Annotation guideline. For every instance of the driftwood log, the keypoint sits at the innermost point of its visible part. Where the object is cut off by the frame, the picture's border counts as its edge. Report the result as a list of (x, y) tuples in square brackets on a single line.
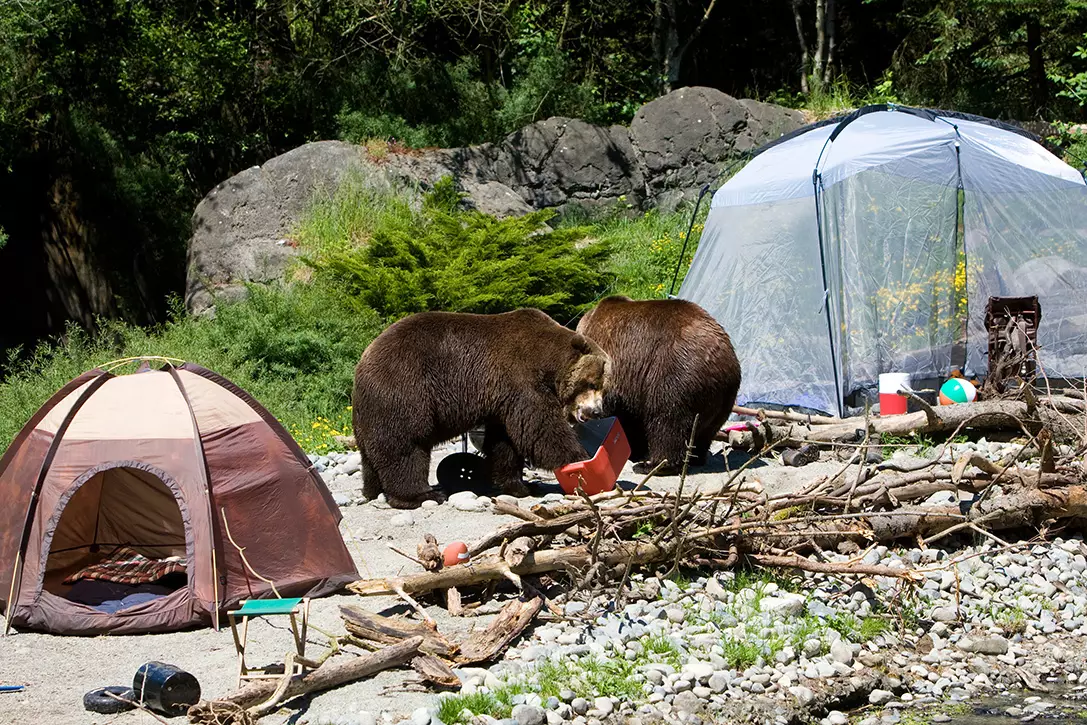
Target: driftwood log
[(537, 562), (434, 670), (234, 708), (510, 622), (1064, 416), (390, 630)]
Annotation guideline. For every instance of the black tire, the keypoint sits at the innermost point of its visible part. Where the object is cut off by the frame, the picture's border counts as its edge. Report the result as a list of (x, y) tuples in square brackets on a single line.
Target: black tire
[(101, 703)]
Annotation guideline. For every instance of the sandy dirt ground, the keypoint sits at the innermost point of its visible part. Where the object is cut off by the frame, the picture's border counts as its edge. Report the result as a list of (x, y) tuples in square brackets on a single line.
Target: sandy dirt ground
[(57, 671)]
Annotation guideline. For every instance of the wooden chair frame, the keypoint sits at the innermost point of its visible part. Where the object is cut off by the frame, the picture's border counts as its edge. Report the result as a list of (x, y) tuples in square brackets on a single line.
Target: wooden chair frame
[(300, 611)]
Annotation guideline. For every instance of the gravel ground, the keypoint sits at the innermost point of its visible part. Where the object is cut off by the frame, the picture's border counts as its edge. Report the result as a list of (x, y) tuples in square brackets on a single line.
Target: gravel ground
[(982, 620)]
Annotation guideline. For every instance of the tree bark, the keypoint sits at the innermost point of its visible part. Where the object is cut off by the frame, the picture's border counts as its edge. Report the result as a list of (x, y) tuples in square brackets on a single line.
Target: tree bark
[(510, 622), (666, 41), (804, 53), (1039, 90), (820, 39), (828, 66)]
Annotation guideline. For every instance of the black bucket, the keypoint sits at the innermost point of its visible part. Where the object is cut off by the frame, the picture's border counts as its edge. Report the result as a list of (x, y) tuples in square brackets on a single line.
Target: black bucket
[(165, 689)]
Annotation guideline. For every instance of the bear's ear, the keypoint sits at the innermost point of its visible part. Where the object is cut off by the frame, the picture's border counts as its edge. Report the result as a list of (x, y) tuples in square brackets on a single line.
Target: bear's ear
[(582, 344)]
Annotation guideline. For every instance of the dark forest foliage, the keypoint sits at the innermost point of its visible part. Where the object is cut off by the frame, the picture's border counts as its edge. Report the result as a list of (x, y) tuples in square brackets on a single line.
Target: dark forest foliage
[(117, 116)]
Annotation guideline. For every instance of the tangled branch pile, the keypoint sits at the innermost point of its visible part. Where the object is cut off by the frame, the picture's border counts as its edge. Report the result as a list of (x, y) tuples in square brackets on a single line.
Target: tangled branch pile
[(602, 537)]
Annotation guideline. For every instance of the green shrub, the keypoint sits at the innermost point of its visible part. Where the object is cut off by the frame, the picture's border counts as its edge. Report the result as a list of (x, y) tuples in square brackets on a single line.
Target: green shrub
[(444, 258)]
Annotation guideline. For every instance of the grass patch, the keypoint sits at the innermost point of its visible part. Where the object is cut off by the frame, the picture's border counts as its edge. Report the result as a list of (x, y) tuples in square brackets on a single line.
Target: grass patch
[(871, 627), (645, 251), (607, 678), (857, 630), (740, 655), (554, 676), (665, 649), (450, 709), (293, 348), (810, 627), (1012, 620)]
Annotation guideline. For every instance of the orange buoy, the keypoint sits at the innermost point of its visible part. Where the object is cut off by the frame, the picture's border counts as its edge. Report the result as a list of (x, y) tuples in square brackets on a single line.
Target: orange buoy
[(455, 553)]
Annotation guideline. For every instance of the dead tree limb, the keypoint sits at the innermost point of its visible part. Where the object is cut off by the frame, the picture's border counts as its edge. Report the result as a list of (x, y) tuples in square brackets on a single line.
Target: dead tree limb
[(988, 414), (491, 569), (510, 622), (327, 676), (392, 630)]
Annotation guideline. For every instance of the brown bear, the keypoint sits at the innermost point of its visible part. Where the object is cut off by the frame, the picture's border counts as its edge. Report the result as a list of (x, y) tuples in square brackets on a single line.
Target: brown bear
[(670, 362), (434, 375)]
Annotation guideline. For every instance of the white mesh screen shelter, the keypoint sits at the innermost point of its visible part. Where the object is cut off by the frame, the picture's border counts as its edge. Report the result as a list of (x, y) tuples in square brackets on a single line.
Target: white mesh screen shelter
[(837, 253)]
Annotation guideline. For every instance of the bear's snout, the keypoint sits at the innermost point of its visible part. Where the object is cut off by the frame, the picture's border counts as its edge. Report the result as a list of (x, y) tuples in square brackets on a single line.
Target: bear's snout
[(587, 405)]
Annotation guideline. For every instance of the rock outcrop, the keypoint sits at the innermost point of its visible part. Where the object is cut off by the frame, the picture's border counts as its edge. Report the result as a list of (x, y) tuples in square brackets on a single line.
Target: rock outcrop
[(674, 145)]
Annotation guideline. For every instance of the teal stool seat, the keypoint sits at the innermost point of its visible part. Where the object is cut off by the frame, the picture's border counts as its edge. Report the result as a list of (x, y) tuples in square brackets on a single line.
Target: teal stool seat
[(296, 609)]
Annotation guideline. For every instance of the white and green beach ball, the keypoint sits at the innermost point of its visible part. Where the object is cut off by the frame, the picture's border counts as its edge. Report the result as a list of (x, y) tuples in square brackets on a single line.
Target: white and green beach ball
[(957, 390)]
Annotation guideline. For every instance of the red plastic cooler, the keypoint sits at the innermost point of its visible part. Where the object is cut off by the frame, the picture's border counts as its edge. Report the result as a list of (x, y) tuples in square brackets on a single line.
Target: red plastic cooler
[(607, 446)]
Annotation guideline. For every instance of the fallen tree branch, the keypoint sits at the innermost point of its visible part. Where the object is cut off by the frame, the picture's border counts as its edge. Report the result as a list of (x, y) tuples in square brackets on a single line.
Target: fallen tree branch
[(232, 709), (392, 630), (491, 569), (987, 414), (825, 567), (510, 622)]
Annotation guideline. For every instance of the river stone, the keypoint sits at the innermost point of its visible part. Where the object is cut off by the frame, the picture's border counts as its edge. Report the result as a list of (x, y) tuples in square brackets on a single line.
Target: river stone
[(529, 715), (688, 702), (880, 697), (994, 645), (840, 651)]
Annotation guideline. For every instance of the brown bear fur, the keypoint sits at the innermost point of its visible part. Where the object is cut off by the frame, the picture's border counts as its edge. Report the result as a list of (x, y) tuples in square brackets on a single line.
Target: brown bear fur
[(432, 376), (670, 362)]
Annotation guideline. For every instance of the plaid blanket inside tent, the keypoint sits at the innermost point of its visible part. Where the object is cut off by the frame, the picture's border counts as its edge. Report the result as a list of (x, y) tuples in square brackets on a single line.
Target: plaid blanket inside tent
[(127, 566)]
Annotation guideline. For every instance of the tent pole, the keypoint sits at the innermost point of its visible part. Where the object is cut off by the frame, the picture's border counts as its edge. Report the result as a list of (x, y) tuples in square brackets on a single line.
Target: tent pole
[(207, 489), (11, 594), (817, 179), (687, 238)]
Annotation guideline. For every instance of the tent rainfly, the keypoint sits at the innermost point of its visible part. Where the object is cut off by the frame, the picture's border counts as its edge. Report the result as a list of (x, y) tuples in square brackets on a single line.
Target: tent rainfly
[(126, 497), (872, 242)]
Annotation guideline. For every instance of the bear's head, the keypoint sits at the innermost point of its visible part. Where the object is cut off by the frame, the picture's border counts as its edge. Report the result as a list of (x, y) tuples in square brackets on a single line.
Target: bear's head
[(582, 385)]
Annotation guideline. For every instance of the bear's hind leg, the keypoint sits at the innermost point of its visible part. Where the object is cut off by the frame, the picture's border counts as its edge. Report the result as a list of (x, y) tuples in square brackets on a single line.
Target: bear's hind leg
[(404, 479), (667, 442), (505, 467), (371, 484)]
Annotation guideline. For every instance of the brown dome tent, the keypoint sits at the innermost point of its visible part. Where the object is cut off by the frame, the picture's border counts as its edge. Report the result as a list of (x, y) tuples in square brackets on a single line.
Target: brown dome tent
[(126, 497)]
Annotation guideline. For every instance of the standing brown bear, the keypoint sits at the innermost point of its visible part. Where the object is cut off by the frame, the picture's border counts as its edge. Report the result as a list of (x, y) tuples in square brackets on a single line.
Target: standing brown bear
[(432, 376), (670, 362)]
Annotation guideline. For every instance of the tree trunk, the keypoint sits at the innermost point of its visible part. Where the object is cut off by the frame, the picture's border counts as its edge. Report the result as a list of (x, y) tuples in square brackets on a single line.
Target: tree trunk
[(820, 39), (804, 55), (1039, 92), (828, 20), (669, 51)]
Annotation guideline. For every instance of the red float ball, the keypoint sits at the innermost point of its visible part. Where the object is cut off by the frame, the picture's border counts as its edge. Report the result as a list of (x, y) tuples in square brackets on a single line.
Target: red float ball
[(455, 553)]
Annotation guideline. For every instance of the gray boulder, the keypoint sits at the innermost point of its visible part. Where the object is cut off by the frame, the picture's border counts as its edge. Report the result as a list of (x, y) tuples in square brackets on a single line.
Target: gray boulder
[(240, 228), (686, 139), (562, 160)]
